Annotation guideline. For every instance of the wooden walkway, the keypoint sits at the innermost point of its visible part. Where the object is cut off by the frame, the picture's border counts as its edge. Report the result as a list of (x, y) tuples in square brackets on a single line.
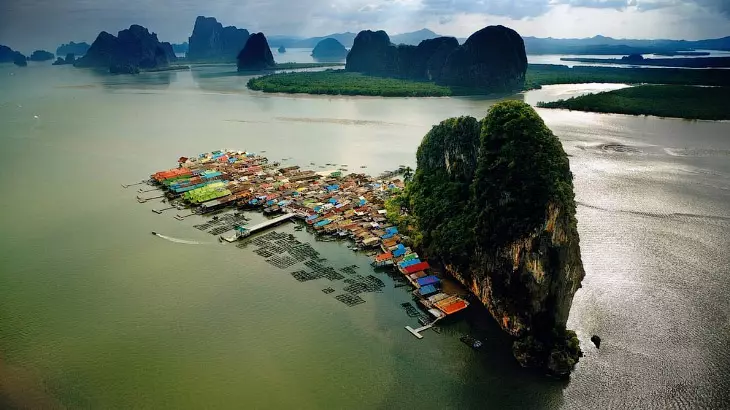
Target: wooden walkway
[(258, 227)]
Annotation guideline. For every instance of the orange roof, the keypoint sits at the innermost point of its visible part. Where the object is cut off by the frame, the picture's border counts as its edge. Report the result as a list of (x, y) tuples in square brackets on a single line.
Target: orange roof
[(384, 257), (390, 242), (453, 307)]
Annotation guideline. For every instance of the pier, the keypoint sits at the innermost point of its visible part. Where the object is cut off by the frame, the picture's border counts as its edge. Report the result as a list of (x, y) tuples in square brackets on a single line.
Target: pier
[(417, 332), (244, 232)]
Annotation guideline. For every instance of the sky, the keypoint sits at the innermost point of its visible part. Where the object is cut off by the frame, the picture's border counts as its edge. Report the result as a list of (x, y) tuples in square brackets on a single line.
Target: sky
[(29, 24)]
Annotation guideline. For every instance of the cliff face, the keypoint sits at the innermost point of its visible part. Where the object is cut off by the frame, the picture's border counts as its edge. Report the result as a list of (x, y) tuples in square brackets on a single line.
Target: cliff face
[(492, 59), (211, 41), (134, 47), (372, 53), (256, 55), (494, 202), (329, 49)]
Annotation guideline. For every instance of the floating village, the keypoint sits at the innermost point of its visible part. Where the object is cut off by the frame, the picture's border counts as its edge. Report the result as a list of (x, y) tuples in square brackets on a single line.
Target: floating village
[(331, 205)]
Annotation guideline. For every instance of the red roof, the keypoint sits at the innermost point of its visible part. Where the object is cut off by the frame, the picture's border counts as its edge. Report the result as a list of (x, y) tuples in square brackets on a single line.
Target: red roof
[(415, 268)]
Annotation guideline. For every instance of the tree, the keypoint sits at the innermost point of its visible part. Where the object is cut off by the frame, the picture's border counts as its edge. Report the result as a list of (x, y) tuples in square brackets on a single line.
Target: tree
[(407, 174)]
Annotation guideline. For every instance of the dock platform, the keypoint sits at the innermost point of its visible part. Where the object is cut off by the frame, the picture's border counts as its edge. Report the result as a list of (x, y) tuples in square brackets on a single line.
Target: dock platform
[(417, 332)]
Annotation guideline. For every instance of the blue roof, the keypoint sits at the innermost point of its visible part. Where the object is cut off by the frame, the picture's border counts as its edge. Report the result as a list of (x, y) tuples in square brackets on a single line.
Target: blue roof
[(391, 229), (427, 290), (310, 217), (387, 236), (399, 252), (332, 201), (427, 280), (323, 223)]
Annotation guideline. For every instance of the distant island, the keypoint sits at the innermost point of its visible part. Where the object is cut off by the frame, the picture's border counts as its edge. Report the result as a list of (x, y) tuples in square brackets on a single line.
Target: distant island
[(181, 48), (600, 45), (78, 49), (70, 59), (329, 49), (41, 55), (133, 49), (347, 39), (281, 49), (638, 59), (493, 201), (211, 41), (8, 55), (678, 101), (256, 54)]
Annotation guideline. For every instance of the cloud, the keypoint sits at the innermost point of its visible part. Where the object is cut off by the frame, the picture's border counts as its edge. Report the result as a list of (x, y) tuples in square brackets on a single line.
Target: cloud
[(723, 6), (598, 4), (508, 8), (29, 24)]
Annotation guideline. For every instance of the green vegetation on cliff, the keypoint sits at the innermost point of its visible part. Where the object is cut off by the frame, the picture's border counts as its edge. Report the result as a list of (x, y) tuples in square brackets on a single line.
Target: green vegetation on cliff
[(493, 200), (705, 103)]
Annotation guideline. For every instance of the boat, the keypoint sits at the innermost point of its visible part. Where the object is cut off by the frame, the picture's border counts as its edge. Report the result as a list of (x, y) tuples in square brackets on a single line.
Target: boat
[(471, 342), (154, 233)]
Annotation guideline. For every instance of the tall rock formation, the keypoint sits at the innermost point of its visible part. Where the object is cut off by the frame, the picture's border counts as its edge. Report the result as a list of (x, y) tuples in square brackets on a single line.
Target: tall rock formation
[(372, 53), (329, 49), (211, 41), (256, 55), (492, 59), (133, 49), (493, 200)]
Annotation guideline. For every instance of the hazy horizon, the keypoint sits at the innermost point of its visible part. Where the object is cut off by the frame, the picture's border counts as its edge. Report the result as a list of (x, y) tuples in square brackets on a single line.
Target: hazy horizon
[(26, 25)]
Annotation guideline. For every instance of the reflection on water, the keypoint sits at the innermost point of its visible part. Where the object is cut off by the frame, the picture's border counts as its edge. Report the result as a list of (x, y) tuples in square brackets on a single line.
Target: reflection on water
[(105, 315)]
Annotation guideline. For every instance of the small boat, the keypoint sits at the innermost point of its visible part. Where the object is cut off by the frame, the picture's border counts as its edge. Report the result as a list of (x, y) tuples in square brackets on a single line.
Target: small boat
[(471, 342), (154, 233)]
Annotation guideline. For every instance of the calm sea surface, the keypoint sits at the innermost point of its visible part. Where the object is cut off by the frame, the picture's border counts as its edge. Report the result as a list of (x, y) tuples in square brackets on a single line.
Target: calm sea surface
[(97, 313)]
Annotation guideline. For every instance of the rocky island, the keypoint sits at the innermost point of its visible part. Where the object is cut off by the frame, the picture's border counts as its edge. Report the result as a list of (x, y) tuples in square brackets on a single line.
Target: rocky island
[(281, 49), (256, 54), (131, 50), (492, 200), (8, 55), (78, 49), (41, 55), (329, 49), (70, 59), (211, 41), (492, 60)]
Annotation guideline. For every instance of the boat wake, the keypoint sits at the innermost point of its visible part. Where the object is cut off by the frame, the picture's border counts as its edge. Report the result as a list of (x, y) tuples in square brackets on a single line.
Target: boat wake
[(177, 240)]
